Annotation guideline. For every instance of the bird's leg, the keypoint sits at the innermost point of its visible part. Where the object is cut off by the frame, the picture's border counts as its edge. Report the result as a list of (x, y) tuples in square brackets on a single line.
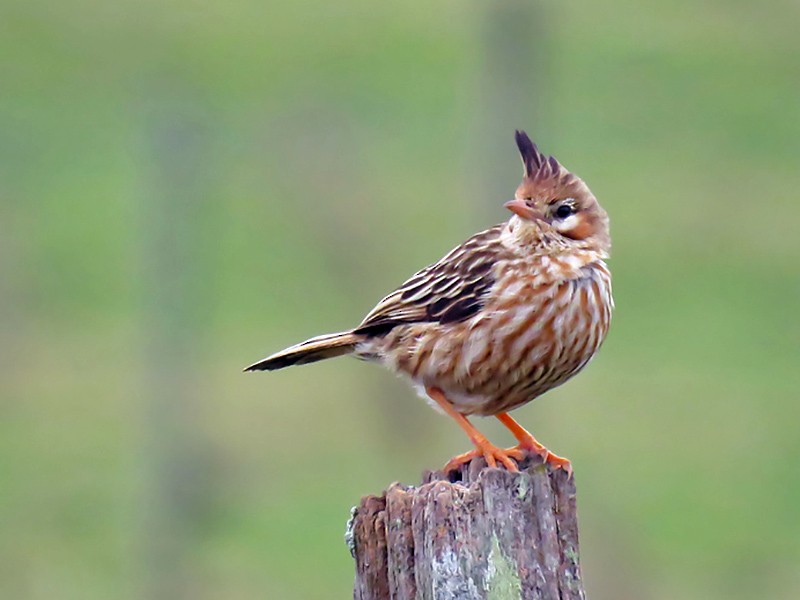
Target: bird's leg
[(483, 447), (528, 442)]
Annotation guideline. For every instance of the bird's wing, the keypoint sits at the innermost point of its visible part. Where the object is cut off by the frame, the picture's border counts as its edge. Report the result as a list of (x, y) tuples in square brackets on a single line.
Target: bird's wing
[(448, 291)]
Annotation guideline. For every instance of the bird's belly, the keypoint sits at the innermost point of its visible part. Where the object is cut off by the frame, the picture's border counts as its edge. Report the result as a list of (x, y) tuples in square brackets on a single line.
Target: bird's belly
[(511, 352)]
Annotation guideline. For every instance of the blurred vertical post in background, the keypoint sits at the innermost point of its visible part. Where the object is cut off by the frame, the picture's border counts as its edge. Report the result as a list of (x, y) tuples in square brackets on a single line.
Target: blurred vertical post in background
[(176, 287), (512, 91), (9, 302), (12, 300)]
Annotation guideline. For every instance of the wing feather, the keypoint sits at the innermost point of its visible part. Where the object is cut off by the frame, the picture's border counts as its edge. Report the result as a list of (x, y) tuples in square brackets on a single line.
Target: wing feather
[(450, 290)]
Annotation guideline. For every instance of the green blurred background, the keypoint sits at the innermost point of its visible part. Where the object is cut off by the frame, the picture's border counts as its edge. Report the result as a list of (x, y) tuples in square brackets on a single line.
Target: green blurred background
[(188, 186)]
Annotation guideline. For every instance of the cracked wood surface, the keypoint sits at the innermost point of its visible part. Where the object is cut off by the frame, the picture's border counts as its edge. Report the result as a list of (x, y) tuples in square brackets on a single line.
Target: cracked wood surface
[(475, 534)]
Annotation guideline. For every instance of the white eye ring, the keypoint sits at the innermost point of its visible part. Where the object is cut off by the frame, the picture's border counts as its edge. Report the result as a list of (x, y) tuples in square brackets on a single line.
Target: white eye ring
[(567, 224)]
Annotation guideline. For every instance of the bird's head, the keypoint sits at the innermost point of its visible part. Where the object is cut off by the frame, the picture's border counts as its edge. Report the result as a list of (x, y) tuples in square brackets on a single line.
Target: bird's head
[(554, 207)]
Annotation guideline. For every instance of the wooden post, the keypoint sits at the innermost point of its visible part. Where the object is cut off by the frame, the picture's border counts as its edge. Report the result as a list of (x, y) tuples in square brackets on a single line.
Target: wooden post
[(477, 534)]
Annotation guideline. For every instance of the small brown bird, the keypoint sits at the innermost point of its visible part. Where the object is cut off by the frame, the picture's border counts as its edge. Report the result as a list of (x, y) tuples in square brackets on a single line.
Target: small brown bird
[(511, 313)]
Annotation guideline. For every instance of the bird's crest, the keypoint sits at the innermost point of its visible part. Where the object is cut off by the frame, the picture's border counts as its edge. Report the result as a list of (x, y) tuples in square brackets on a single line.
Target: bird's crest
[(536, 164)]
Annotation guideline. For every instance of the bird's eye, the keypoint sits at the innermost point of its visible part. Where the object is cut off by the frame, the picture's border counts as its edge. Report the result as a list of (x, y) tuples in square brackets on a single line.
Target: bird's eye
[(563, 211)]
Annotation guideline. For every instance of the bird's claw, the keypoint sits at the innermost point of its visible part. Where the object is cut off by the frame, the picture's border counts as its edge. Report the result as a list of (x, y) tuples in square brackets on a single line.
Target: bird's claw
[(556, 462), (492, 454)]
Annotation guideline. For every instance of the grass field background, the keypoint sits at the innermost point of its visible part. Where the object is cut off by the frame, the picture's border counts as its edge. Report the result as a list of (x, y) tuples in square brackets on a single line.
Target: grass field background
[(188, 186)]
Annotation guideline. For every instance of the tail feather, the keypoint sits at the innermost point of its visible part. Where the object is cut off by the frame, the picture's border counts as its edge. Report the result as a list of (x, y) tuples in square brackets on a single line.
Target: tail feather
[(317, 348)]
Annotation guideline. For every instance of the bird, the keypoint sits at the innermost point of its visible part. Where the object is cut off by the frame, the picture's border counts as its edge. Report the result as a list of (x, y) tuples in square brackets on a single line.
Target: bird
[(511, 313)]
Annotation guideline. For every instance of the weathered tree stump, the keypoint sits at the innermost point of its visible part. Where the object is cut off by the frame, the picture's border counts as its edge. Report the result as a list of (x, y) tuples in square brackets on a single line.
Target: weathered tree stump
[(475, 534)]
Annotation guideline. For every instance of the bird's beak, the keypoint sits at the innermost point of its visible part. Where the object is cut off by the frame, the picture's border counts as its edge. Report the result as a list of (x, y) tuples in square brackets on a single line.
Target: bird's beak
[(521, 209)]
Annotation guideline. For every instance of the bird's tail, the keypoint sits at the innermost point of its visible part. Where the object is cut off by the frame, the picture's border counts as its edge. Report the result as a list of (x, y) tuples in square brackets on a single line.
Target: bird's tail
[(317, 348)]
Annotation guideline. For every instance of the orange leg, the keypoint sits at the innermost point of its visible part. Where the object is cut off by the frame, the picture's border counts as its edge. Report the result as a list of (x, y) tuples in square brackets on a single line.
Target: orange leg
[(528, 442), (483, 447)]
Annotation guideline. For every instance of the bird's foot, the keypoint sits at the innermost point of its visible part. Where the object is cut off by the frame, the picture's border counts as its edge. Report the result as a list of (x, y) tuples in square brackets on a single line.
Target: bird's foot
[(558, 462), (530, 444), (491, 453)]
